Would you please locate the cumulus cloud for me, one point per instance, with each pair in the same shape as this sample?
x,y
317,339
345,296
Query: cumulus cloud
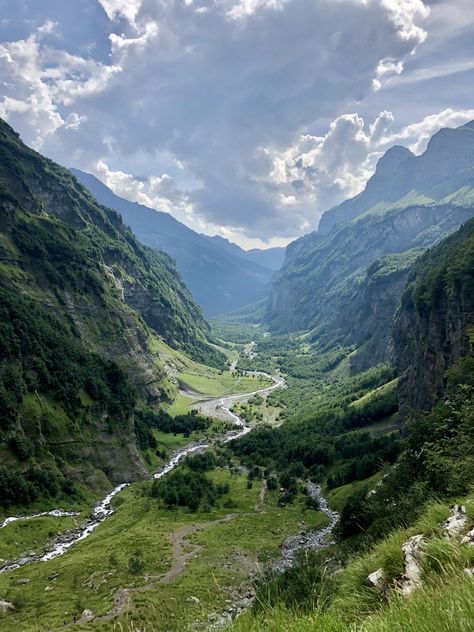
x,y
38,79
159,192
224,108
317,171
417,135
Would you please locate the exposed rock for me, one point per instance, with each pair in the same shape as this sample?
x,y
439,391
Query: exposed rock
x,y
5,606
377,580
456,523
468,538
87,615
413,555
48,588
193,599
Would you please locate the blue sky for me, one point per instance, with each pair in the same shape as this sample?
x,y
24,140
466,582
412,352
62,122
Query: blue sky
x,y
246,118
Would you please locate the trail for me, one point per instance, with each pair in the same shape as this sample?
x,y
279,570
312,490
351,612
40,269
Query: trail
x,y
219,407
104,508
178,542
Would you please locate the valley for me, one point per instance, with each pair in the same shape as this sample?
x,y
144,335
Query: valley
x,y
303,463
189,543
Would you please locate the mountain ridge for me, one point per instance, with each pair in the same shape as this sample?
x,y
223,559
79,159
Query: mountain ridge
x,y
220,278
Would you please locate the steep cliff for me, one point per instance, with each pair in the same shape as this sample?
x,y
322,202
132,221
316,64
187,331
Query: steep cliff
x,y
80,303
434,325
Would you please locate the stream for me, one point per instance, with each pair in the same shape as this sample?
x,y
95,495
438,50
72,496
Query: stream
x,y
104,508
220,408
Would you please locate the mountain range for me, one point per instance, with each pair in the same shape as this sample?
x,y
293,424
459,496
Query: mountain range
x,y
343,282
220,275
84,306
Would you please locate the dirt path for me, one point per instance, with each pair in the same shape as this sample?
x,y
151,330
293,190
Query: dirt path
x,y
178,542
123,596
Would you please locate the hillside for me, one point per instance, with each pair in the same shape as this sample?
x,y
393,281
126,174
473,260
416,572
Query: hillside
x,y
220,275
82,304
409,205
404,557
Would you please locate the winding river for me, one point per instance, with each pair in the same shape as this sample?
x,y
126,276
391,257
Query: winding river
x,y
104,508
220,408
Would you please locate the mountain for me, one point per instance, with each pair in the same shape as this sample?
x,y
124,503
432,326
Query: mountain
x,y
271,258
409,205
434,324
220,275
82,306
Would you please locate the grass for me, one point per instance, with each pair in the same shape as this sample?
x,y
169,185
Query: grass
x,y
181,405
444,603
24,536
376,391
338,496
88,576
214,383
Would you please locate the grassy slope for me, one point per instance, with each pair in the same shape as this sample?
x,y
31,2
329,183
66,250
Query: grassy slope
x,y
444,603
93,570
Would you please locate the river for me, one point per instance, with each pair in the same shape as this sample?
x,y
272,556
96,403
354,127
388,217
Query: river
x,y
104,508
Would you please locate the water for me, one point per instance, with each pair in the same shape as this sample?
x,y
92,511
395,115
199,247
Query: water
x,y
103,509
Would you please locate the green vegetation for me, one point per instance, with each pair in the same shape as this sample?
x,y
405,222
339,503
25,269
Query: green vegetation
x,y
134,548
82,304
241,333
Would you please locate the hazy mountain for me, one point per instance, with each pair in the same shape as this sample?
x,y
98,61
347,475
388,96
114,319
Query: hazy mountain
x,y
220,275
409,204
271,258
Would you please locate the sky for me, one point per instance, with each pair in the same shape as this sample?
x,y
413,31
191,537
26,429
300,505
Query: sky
x,y
245,118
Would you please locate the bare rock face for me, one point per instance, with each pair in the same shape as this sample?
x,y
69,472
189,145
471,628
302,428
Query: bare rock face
x,y
431,329
456,523
413,555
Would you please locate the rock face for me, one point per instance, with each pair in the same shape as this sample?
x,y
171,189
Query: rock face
x,y
410,204
432,327
456,523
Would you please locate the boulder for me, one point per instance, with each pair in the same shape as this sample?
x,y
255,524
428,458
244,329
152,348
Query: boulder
x,y
87,615
5,606
468,538
377,580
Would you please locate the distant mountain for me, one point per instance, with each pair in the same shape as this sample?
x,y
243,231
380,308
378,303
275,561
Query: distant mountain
x,y
271,258
221,276
343,282
83,306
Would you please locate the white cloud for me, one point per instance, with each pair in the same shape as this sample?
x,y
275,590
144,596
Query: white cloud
x,y
406,14
159,192
417,135
118,9
245,8
224,107
386,68
38,79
